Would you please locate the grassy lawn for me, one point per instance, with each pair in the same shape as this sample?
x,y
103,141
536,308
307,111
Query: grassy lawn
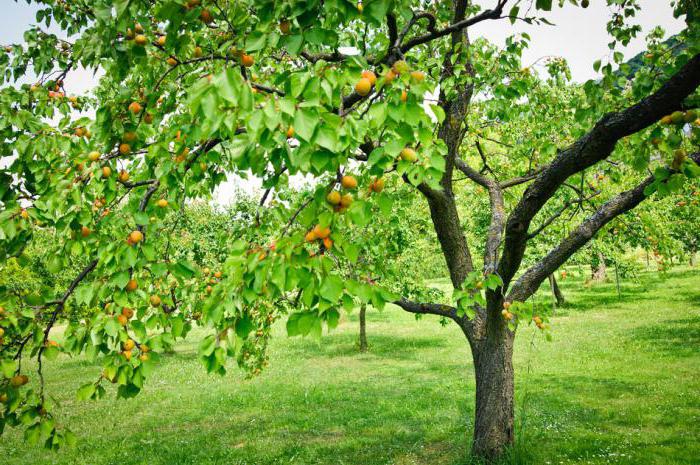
x,y
619,384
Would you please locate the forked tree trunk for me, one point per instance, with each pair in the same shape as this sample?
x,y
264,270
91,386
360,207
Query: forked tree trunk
x,y
556,291
363,328
494,415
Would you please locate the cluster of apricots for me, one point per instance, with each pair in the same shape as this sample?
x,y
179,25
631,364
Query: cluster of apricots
x,y
319,233
506,311
213,279
368,79
340,201
680,118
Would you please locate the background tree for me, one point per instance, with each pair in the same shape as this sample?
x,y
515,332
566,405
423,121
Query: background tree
x,y
196,89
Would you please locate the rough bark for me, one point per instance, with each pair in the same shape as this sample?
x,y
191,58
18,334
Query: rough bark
x,y
693,259
363,328
494,412
556,291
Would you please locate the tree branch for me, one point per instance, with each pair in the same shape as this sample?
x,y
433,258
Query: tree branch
x,y
457,26
530,281
591,148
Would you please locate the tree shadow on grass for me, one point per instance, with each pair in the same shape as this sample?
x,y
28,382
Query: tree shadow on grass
x,y
677,338
380,345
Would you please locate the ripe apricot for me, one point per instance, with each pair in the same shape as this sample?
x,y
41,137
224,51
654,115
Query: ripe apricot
x,y
128,312
346,200
106,171
162,203
132,285
94,156
135,108
290,132
247,60
417,76
155,301
136,236
85,231
369,75
363,86
140,40
310,236
333,197
123,176
348,182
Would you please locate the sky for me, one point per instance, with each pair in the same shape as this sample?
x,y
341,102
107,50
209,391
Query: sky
x,y
578,35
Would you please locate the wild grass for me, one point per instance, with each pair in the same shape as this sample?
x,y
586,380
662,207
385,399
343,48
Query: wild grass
x,y
619,384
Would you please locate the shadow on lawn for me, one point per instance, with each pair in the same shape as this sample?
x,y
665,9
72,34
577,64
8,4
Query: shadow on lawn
x,y
678,338
380,345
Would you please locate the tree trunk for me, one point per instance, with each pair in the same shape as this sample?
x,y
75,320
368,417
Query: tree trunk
x,y
693,258
363,328
493,366
599,272
556,291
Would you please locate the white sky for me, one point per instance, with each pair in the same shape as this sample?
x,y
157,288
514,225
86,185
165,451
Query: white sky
x,y
579,35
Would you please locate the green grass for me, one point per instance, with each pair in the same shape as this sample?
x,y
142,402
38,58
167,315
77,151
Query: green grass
x,y
619,384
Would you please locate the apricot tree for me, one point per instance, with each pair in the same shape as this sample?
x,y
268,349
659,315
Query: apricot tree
x,y
397,91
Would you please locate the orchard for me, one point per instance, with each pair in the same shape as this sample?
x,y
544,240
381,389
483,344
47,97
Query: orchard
x,y
387,108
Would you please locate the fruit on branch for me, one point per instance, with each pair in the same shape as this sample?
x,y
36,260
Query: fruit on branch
x,y
218,274
135,108
327,243
206,16
106,171
138,28
418,76
129,344
247,60
377,185
679,157
135,236
333,197
140,40
24,214
19,380
363,86
155,300
171,61
132,285
321,233
404,95
129,136
123,176
85,231
409,155
162,203
124,148
348,182
127,312
310,236
94,156
370,76
197,52
161,40
678,117
401,67
285,26
389,76
346,200
290,132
